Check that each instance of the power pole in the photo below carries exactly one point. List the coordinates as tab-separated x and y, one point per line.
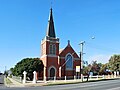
81	58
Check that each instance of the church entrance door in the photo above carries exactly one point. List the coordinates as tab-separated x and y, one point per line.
52	73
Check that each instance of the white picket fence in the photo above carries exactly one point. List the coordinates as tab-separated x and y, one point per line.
94	77
98	77
67	79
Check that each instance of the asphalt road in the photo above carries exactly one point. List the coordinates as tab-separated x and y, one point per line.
2	81
101	85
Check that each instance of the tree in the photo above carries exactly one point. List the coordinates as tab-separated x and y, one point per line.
103	70
29	65
93	67
85	70
114	63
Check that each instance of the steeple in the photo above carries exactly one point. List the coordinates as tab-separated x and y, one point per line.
50	28
69	43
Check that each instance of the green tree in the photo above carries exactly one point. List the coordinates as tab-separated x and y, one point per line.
93	67
29	65
114	63
103	69
85	70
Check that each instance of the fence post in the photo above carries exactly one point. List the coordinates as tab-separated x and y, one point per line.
108	76
114	74
117	73
74	77
45	79
34	77
20	79
103	77
24	79
90	77
54	78
97	77
65	78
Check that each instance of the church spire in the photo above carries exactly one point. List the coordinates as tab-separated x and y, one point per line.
50	28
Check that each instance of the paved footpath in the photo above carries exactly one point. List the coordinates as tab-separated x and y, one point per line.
14	83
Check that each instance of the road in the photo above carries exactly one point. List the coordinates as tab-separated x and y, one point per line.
2	81
100	85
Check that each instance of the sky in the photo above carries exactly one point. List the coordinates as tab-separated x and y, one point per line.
23	25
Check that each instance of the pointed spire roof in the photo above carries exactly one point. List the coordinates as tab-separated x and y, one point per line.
50	28
69	43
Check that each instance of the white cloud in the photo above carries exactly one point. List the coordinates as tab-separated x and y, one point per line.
99	58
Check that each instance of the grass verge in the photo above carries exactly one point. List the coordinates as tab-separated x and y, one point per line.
8	81
61	83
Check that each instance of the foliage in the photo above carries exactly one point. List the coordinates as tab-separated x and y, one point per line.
29	65
108	68
5	73
85	70
93	67
114	63
11	69
103	69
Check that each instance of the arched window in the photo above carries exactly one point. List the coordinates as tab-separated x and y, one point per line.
52	49
69	61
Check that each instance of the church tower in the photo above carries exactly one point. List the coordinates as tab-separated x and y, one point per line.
50	50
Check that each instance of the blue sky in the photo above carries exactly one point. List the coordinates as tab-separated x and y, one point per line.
23	25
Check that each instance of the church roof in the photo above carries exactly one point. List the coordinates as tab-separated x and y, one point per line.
68	49
50	28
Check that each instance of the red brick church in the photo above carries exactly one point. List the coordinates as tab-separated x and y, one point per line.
57	62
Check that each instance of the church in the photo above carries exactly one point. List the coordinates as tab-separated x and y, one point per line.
57	62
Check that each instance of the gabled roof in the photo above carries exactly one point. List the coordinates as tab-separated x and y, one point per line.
68	49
